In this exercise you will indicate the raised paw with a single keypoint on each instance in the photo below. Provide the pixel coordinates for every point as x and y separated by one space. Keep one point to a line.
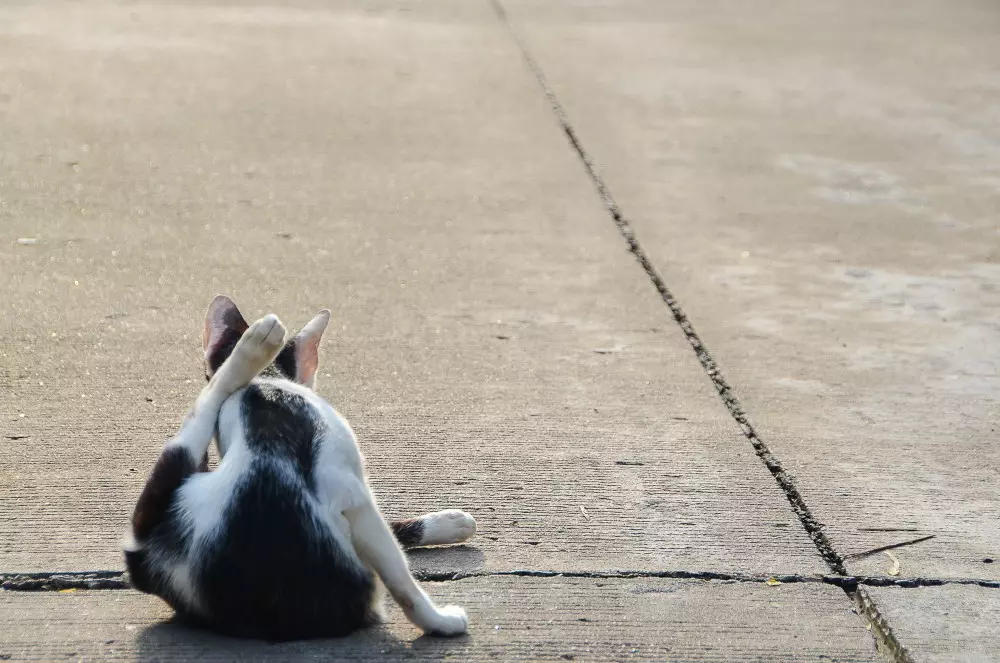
449 526
447 621
257 348
262 342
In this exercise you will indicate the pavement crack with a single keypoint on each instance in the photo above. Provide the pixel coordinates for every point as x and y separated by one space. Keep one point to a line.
909 583
623 575
62 581
891 546
812 526
72 580
885 639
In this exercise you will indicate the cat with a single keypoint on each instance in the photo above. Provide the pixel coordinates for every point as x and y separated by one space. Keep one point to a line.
283 541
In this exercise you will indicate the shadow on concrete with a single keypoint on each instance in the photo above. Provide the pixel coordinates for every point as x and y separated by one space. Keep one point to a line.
174 640
446 560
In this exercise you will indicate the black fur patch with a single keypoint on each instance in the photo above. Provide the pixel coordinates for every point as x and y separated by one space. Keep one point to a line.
155 526
285 361
275 573
173 466
410 532
138 573
281 423
233 328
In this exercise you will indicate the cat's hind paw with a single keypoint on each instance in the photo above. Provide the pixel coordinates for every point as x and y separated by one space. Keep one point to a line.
449 526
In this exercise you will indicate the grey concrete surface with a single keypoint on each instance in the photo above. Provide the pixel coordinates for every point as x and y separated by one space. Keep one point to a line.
514 619
493 344
816 181
952 623
818 184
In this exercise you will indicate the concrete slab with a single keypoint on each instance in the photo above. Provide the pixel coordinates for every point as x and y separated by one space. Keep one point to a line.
513 619
951 623
818 184
493 344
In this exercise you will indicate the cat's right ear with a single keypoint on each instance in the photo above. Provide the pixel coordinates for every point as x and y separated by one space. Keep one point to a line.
224 326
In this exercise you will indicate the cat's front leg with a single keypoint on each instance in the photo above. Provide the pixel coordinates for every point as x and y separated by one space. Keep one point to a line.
257 348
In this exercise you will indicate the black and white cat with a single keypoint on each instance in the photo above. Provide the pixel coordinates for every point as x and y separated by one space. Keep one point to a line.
284 540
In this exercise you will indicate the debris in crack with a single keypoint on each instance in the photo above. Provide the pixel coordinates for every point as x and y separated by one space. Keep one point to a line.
876 623
47 582
894 569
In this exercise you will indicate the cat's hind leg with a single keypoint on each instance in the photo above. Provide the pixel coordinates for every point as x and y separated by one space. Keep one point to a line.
377 547
435 529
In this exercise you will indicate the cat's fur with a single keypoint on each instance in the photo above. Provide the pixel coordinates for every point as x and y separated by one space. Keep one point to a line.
284 540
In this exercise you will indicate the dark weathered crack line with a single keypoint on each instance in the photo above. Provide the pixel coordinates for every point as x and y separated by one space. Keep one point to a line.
883 633
891 546
58 581
63 580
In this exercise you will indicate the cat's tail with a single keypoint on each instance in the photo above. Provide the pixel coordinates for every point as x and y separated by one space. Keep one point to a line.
435 529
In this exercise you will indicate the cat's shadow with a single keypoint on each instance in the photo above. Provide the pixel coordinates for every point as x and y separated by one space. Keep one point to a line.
171 641
175 641
445 561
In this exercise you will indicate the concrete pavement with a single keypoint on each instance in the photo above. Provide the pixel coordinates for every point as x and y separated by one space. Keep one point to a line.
520 619
825 219
819 192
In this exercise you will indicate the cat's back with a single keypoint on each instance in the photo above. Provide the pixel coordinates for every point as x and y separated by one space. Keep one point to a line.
280 424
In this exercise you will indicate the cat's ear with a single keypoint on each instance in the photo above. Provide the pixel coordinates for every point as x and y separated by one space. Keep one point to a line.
306 348
224 325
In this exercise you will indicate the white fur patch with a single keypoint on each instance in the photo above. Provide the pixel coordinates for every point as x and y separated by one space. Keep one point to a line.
204 497
450 526
178 577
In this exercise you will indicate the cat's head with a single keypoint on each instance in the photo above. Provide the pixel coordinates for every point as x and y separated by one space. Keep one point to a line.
297 361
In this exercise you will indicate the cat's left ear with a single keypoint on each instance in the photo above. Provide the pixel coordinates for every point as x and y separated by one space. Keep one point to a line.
306 348
224 325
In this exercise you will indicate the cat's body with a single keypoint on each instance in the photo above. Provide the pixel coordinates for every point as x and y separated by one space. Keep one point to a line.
284 540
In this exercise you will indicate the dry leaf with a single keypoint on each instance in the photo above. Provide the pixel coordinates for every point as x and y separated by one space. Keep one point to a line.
67 591
894 571
773 582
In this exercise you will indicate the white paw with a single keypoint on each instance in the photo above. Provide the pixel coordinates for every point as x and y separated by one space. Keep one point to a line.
265 336
450 526
257 348
262 342
449 620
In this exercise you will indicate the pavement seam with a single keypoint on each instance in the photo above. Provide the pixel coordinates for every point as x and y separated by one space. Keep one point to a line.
884 636
885 639
62 580
785 481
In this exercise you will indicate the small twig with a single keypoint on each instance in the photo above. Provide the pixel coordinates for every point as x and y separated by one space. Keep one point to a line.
889 547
